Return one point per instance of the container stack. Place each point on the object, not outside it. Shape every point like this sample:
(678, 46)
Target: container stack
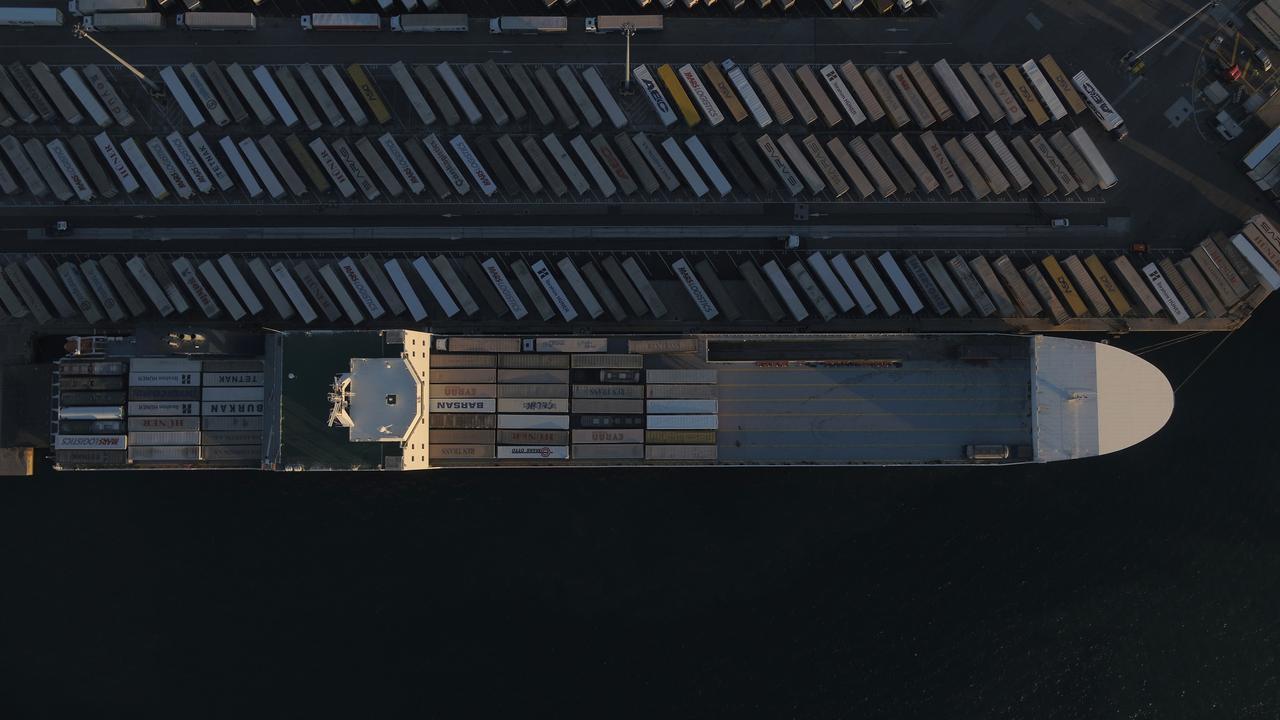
(91, 426)
(608, 405)
(463, 406)
(533, 406)
(231, 408)
(683, 415)
(164, 411)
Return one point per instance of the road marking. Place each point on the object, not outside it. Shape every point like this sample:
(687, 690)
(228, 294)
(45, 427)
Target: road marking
(1035, 22)
(1178, 112)
(1129, 89)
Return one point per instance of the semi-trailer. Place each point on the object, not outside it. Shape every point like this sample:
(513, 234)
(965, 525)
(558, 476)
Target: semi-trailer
(531, 95)
(653, 93)
(824, 165)
(613, 163)
(556, 97)
(1041, 85)
(937, 104)
(369, 93)
(951, 84)
(460, 95)
(604, 97)
(893, 109)
(1060, 80)
(685, 167)
(623, 23)
(890, 161)
(341, 21)
(1024, 93)
(777, 106)
(804, 110)
(826, 109)
(842, 94)
(205, 95)
(913, 100)
(430, 22)
(500, 85)
(528, 24)
(1013, 171)
(1100, 106)
(293, 91)
(217, 21)
(718, 82)
(739, 79)
(112, 22)
(579, 96)
(30, 17)
(66, 108)
(275, 96)
(992, 110)
(700, 95)
(71, 76)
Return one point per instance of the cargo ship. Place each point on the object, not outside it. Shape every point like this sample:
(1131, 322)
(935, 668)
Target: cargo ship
(399, 400)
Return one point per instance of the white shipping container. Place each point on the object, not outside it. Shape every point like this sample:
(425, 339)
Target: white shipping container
(91, 412)
(143, 167)
(333, 167)
(149, 286)
(293, 292)
(182, 97)
(405, 290)
(176, 437)
(89, 442)
(189, 163)
(533, 405)
(533, 421)
(682, 407)
(843, 97)
(604, 97)
(891, 268)
(681, 161)
(222, 290)
(363, 291)
(553, 289)
(164, 378)
(533, 452)
(700, 94)
(191, 280)
(472, 163)
(450, 169)
(281, 104)
(436, 286)
(234, 407)
(748, 94)
(231, 392)
(268, 177)
(694, 287)
(579, 286)
(340, 292)
(247, 180)
(116, 162)
(166, 408)
(681, 422)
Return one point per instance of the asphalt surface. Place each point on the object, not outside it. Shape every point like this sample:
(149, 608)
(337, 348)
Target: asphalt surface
(1161, 167)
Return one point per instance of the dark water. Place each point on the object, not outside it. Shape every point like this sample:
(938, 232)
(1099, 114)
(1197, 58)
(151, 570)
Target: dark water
(1144, 585)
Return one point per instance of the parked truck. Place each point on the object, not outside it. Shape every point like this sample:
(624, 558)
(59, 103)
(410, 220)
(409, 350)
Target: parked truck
(528, 24)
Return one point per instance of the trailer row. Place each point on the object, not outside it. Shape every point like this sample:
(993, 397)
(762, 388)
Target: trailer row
(632, 167)
(1028, 95)
(496, 96)
(1221, 279)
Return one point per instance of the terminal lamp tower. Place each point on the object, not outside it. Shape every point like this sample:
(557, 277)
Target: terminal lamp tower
(151, 86)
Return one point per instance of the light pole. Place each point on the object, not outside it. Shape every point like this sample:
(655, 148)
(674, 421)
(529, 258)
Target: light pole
(628, 29)
(155, 90)
(1131, 59)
